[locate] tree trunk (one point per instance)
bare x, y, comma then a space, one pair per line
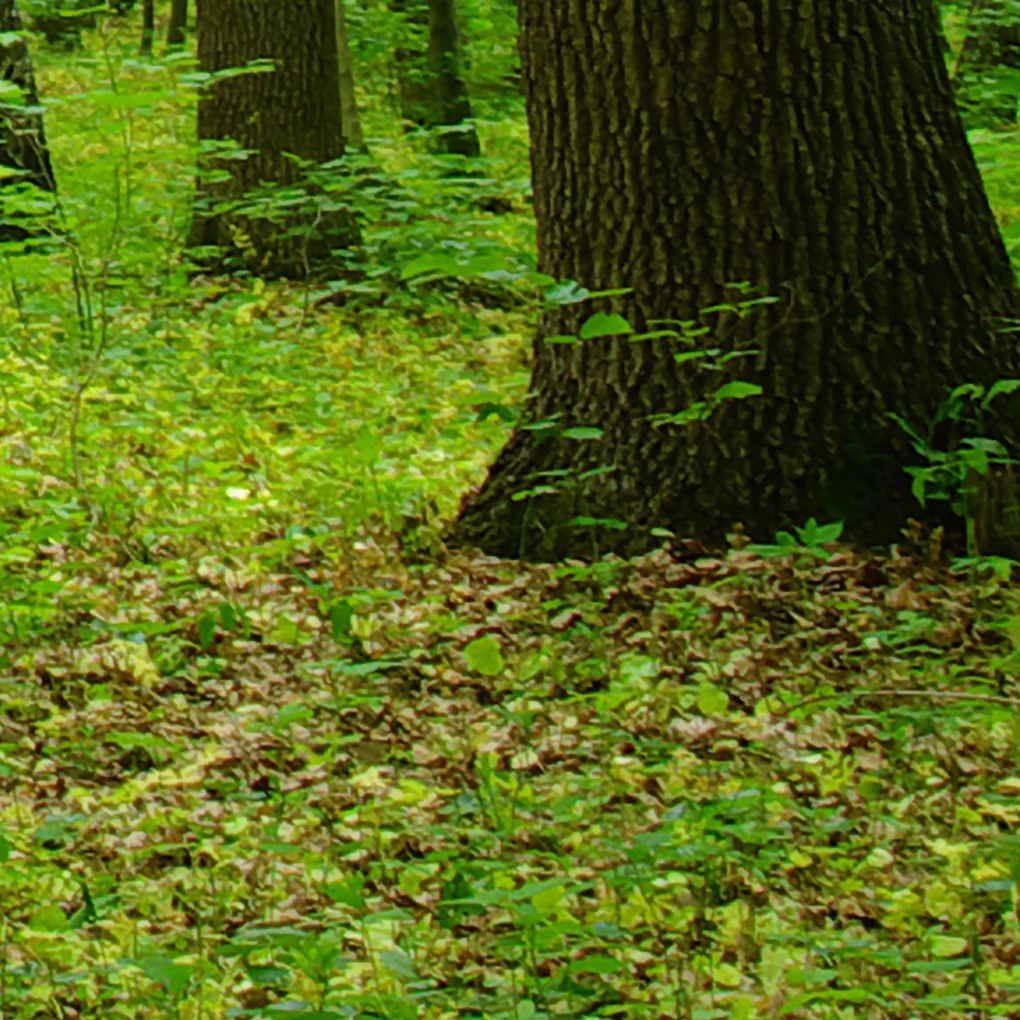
354, 136
989, 64
681, 145
148, 27
410, 58
432, 92
450, 112
62, 24
286, 121
23, 147
177, 27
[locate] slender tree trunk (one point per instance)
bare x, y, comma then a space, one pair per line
23, 147
988, 69
680, 145
177, 27
60, 25
450, 106
354, 136
411, 60
286, 121
431, 88
148, 26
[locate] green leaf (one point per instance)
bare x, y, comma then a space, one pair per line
348, 893
267, 974
228, 615
829, 532
566, 293
174, 977
599, 522
206, 629
49, 918
597, 965
526, 1011
1001, 388
737, 390
605, 324
546, 901
683, 356
341, 616
712, 700
433, 264
396, 961
944, 946
582, 432
485, 655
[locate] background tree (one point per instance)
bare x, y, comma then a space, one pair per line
450, 113
284, 120
354, 135
148, 26
60, 22
988, 67
23, 147
177, 26
431, 87
678, 146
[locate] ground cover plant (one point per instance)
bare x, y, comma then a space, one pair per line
268, 748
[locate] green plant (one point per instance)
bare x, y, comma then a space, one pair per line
810, 539
954, 474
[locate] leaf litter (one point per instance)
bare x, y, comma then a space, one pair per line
729, 786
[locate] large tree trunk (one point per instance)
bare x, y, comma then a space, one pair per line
177, 26
354, 136
680, 145
287, 121
989, 64
429, 81
23, 147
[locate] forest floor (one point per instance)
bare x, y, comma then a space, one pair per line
267, 749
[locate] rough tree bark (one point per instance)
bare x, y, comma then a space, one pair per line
989, 63
812, 149
23, 147
177, 27
284, 120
